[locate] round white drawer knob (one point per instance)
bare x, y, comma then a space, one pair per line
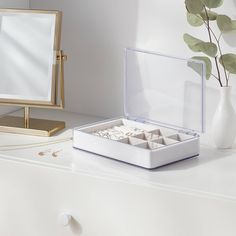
65, 219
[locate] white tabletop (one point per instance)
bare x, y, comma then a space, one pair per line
212, 174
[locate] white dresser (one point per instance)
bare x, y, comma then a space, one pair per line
39, 182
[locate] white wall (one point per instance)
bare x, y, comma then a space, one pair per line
95, 33
12, 4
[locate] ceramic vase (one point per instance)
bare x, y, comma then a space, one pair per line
224, 121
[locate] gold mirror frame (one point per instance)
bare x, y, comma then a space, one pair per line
31, 126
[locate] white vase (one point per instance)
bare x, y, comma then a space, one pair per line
224, 121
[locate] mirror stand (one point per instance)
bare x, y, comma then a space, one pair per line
32, 126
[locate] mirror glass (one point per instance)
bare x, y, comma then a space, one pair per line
29, 40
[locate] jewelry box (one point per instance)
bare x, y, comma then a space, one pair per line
163, 113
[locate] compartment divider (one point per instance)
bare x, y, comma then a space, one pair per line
179, 137
142, 135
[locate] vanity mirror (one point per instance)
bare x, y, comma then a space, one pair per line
31, 68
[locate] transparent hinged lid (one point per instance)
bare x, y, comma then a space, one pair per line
165, 90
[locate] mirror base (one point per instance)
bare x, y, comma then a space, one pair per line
37, 127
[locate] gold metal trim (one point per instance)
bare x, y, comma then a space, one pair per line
31, 126
56, 47
27, 117
61, 57
37, 127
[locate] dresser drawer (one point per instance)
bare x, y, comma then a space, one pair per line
33, 197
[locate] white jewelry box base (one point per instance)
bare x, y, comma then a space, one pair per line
146, 145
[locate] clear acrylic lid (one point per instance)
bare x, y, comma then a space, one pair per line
165, 90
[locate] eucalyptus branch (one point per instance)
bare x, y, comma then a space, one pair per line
199, 13
208, 24
218, 44
226, 77
221, 54
212, 32
210, 37
219, 47
218, 71
217, 79
214, 76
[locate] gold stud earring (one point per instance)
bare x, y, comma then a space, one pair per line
43, 153
55, 154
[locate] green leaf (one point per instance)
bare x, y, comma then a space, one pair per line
229, 62
209, 49
198, 68
225, 23
194, 20
198, 45
211, 15
192, 42
194, 6
212, 3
